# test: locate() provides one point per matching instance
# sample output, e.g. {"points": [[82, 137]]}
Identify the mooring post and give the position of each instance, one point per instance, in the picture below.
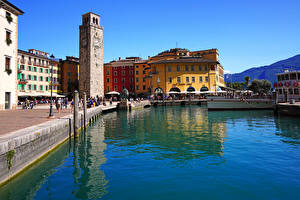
{"points": [[76, 114], [84, 110]]}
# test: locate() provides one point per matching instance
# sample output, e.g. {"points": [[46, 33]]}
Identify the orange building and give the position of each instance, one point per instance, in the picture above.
{"points": [[69, 75], [108, 86], [182, 70], [142, 79]]}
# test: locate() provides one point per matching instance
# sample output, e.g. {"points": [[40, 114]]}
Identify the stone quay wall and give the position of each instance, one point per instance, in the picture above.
{"points": [[20, 149]]}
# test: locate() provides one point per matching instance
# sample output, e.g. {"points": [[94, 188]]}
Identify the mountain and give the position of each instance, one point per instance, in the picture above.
{"points": [[266, 72]]}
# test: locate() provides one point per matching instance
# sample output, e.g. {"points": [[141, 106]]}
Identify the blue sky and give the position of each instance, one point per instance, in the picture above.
{"points": [[248, 33]]}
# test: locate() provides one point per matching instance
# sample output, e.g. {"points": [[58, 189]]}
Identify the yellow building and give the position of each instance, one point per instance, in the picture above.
{"points": [[181, 70]]}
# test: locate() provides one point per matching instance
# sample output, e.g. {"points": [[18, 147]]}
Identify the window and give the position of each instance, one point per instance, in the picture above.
{"points": [[107, 80], [137, 72], [192, 68], [7, 63], [144, 87], [41, 70], [9, 17], [187, 68], [206, 78], [115, 73], [41, 87], [34, 87], [29, 77], [34, 78], [107, 72], [34, 69], [293, 76], [193, 79], [169, 68], [123, 72], [137, 80], [178, 68], [178, 80], [137, 87], [115, 80], [41, 78], [29, 87], [187, 79], [200, 79], [123, 80], [170, 79], [137, 66], [131, 87], [131, 72], [34, 61], [206, 67], [69, 73], [46, 87], [47, 79], [22, 67], [116, 88], [123, 67], [46, 71], [144, 80], [200, 68], [296, 91], [8, 37], [144, 72], [131, 80]]}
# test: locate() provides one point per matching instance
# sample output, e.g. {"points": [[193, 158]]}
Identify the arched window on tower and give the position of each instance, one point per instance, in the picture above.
{"points": [[97, 21], [94, 21]]}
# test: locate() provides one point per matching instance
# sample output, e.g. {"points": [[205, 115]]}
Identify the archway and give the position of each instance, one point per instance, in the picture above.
{"points": [[204, 89], [175, 89]]}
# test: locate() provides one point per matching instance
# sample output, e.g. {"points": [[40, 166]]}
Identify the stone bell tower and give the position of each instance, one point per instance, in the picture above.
{"points": [[91, 56]]}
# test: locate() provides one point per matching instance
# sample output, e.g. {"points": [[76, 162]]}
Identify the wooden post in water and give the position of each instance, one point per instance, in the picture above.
{"points": [[84, 110], [76, 114]]}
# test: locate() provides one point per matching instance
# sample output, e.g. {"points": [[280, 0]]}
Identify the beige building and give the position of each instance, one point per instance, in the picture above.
{"points": [[34, 74], [8, 54], [91, 56]]}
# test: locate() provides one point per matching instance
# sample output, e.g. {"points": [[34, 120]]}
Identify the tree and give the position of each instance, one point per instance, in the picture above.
{"points": [[260, 86], [247, 80]]}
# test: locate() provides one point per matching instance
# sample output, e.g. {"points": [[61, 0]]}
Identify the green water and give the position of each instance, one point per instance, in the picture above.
{"points": [[171, 153]]}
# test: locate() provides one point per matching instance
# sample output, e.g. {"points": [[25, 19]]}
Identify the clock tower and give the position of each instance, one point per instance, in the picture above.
{"points": [[91, 56]]}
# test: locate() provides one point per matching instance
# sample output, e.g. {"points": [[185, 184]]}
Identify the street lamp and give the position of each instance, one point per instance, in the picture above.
{"points": [[51, 106]]}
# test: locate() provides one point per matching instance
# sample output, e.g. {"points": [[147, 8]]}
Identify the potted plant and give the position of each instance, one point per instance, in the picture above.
{"points": [[8, 41], [9, 18], [8, 71]]}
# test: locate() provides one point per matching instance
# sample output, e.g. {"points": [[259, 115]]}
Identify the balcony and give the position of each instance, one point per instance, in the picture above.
{"points": [[22, 61], [23, 81], [29, 63], [20, 70]]}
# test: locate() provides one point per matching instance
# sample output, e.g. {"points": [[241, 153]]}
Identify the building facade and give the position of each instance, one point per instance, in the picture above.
{"points": [[69, 75], [120, 75], [183, 71], [108, 85], [8, 54], [34, 74], [288, 86], [141, 78], [91, 56]]}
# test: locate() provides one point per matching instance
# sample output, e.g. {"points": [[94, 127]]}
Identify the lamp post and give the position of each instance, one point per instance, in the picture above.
{"points": [[51, 106]]}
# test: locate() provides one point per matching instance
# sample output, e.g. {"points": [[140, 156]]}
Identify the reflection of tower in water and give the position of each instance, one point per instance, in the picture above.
{"points": [[88, 157]]}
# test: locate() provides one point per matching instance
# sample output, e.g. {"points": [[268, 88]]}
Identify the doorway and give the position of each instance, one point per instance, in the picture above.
{"points": [[7, 100]]}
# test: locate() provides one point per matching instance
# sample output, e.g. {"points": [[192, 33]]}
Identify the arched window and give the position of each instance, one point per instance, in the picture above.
{"points": [[190, 89], [94, 21], [204, 89], [175, 89], [97, 21]]}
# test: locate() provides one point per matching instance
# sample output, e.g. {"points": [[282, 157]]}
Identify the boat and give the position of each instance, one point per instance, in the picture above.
{"points": [[222, 103]]}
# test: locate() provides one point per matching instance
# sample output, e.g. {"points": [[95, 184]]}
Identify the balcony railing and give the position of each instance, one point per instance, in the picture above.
{"points": [[22, 61], [23, 81], [29, 63], [20, 70]]}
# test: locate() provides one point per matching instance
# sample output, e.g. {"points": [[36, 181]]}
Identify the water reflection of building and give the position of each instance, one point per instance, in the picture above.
{"points": [[88, 157], [177, 133]]}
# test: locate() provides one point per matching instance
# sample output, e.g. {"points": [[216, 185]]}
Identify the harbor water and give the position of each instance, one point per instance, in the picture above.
{"points": [[171, 153]]}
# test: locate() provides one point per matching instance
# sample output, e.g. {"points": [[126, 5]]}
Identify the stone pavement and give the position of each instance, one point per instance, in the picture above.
{"points": [[13, 120]]}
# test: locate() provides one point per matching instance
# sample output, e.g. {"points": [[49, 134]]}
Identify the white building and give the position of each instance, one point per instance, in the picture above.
{"points": [[8, 54], [288, 86]]}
